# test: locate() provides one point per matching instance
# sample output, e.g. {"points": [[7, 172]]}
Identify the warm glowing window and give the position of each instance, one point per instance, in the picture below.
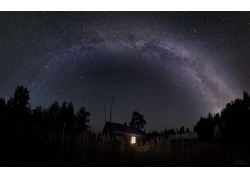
{"points": [[133, 140]]}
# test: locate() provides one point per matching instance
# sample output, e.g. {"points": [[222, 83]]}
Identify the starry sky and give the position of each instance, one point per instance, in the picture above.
{"points": [[171, 67]]}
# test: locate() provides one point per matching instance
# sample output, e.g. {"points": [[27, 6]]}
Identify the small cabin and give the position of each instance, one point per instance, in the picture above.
{"points": [[127, 134]]}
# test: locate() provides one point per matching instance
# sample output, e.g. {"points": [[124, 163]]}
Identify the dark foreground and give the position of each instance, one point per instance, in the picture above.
{"points": [[48, 148]]}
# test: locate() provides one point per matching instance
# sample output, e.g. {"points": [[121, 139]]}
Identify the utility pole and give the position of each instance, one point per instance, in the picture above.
{"points": [[104, 110], [111, 110]]}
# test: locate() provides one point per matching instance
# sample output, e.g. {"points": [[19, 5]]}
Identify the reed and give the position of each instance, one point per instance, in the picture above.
{"points": [[50, 148]]}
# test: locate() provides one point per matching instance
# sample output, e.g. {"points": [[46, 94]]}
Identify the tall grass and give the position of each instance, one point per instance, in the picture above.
{"points": [[50, 148]]}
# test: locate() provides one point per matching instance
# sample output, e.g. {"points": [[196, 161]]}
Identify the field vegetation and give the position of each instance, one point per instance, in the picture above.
{"points": [[51, 148], [57, 136]]}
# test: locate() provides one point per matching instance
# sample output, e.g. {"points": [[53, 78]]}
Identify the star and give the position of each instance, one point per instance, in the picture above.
{"points": [[172, 68]]}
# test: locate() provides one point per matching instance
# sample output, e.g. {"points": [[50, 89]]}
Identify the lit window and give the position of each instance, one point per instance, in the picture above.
{"points": [[133, 140]]}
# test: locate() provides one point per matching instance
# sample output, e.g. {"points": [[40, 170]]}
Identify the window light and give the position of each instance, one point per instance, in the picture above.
{"points": [[133, 140]]}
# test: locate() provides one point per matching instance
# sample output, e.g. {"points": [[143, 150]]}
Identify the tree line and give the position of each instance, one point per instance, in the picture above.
{"points": [[166, 132], [17, 113], [233, 121]]}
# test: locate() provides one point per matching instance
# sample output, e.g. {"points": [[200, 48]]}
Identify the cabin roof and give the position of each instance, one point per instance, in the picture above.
{"points": [[111, 127]]}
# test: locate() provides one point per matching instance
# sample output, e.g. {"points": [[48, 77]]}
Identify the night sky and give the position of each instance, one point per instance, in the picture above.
{"points": [[171, 67]]}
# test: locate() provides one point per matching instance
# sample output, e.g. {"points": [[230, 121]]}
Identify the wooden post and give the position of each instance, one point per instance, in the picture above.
{"points": [[111, 110], [104, 110]]}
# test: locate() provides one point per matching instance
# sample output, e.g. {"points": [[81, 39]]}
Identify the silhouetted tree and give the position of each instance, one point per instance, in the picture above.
{"points": [[64, 115], [177, 131], [234, 121], [21, 98], [47, 123], [61, 120], [165, 133], [205, 128], [10, 113], [82, 119], [195, 128], [182, 130], [2, 109], [53, 112], [153, 134], [137, 121], [18, 110], [37, 114], [70, 116]]}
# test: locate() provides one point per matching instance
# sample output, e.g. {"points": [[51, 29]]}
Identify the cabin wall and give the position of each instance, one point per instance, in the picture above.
{"points": [[123, 136], [127, 139]]}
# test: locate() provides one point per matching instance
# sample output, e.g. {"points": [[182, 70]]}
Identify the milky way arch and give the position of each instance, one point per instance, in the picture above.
{"points": [[155, 50], [167, 76]]}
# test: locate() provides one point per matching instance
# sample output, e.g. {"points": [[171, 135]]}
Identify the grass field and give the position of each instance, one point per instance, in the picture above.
{"points": [[48, 148]]}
